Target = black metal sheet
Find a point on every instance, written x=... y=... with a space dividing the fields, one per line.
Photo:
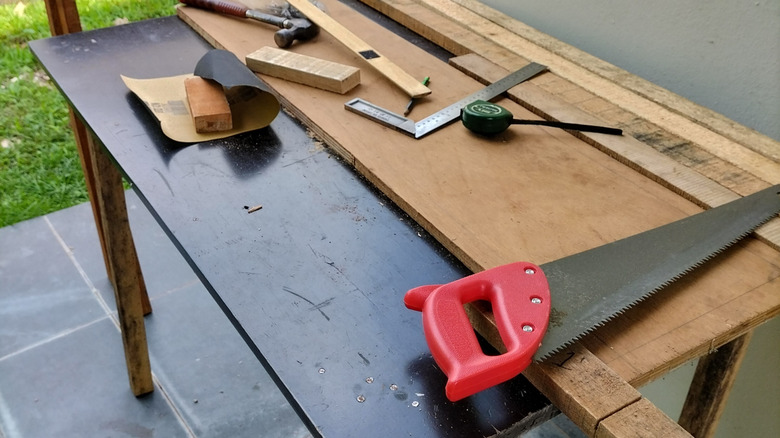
x=313 y=281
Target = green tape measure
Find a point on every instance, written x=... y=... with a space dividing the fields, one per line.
x=487 y=118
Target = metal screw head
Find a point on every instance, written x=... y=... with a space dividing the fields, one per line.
x=361 y=398
x=321 y=370
x=536 y=300
x=530 y=271
x=393 y=387
x=528 y=328
x=415 y=403
x=369 y=380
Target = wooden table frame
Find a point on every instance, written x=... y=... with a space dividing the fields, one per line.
x=107 y=196
x=706 y=398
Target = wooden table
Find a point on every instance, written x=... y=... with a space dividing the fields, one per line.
x=486 y=202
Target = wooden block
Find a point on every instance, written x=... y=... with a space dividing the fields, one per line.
x=208 y=105
x=641 y=419
x=303 y=69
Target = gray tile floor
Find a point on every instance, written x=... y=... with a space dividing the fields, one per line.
x=62 y=371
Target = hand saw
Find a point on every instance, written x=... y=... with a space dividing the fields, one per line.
x=580 y=292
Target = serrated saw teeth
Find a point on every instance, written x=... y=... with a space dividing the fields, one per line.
x=589 y=289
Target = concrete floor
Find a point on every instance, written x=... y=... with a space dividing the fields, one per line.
x=62 y=371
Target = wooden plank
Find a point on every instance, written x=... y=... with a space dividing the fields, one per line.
x=712 y=383
x=657 y=114
x=307 y=70
x=626 y=149
x=208 y=105
x=706 y=117
x=641 y=420
x=674 y=326
x=451 y=25
x=582 y=387
x=411 y=86
x=595 y=398
x=123 y=259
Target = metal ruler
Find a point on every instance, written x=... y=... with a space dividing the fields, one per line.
x=445 y=116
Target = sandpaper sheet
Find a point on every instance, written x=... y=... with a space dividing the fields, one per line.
x=251 y=103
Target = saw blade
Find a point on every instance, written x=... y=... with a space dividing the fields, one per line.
x=591 y=287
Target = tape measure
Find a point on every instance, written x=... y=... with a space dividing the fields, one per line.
x=488 y=118
x=445 y=116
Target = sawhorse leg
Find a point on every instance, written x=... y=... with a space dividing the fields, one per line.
x=711 y=386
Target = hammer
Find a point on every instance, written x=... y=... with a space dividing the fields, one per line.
x=290 y=29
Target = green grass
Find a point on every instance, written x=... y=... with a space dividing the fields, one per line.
x=40 y=170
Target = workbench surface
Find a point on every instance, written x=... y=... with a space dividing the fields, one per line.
x=314 y=281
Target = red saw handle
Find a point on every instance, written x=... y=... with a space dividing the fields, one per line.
x=520 y=297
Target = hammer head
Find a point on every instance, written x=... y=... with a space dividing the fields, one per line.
x=298 y=29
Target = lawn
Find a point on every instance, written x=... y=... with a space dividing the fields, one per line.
x=40 y=170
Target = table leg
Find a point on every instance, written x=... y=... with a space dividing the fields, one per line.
x=64 y=19
x=124 y=269
x=86 y=157
x=63 y=16
x=711 y=386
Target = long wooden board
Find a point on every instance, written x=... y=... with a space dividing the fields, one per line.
x=530 y=194
x=737 y=157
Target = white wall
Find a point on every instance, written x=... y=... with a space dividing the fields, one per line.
x=722 y=54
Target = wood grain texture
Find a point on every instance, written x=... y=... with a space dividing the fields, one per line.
x=367 y=52
x=462 y=30
x=706 y=117
x=582 y=387
x=303 y=69
x=208 y=105
x=626 y=149
x=126 y=275
x=640 y=420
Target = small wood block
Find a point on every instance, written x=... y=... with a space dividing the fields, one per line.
x=208 y=105
x=303 y=69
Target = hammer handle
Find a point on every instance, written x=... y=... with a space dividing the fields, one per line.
x=219 y=6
